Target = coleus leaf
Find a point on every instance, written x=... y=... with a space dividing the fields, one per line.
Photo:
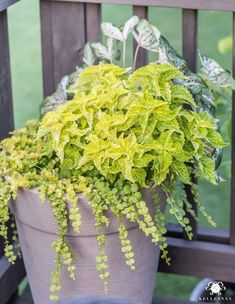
x=129 y=26
x=147 y=36
x=139 y=175
x=112 y=31
x=216 y=139
x=182 y=171
x=182 y=95
x=88 y=56
x=207 y=167
x=144 y=160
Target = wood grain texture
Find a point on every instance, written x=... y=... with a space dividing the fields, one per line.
x=7 y=289
x=10 y=278
x=6 y=107
x=189 y=34
x=142 y=58
x=6 y=3
x=205 y=234
x=189 y=31
x=63 y=39
x=47 y=47
x=200 y=259
x=93 y=20
x=232 y=208
x=225 y=5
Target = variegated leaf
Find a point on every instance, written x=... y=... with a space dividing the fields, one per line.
x=88 y=56
x=215 y=74
x=101 y=51
x=129 y=26
x=114 y=52
x=111 y=31
x=147 y=36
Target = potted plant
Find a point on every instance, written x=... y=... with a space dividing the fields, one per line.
x=88 y=182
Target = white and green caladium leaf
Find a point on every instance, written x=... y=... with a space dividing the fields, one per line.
x=147 y=36
x=167 y=54
x=100 y=51
x=112 y=31
x=114 y=52
x=215 y=74
x=129 y=26
x=88 y=56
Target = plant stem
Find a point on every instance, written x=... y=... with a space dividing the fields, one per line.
x=124 y=53
x=136 y=54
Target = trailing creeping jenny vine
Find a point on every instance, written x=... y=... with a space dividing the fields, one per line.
x=109 y=131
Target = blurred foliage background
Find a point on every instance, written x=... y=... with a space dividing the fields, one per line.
x=24 y=30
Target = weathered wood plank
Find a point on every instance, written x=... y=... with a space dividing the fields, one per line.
x=200 y=259
x=225 y=5
x=63 y=38
x=10 y=277
x=205 y=234
x=142 y=58
x=6 y=107
x=47 y=47
x=93 y=20
x=6 y=3
x=232 y=208
x=189 y=30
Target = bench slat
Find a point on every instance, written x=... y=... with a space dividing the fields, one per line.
x=200 y=259
x=6 y=107
x=142 y=58
x=63 y=39
x=4 y=4
x=214 y=5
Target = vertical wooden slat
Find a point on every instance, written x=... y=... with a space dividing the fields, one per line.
x=93 y=20
x=47 y=47
x=6 y=124
x=232 y=208
x=6 y=107
x=63 y=38
x=142 y=13
x=190 y=37
x=190 y=54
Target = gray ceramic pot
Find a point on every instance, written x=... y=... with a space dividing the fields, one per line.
x=37 y=230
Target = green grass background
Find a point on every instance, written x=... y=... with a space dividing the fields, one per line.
x=24 y=30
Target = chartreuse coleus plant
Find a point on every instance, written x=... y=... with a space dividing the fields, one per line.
x=107 y=132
